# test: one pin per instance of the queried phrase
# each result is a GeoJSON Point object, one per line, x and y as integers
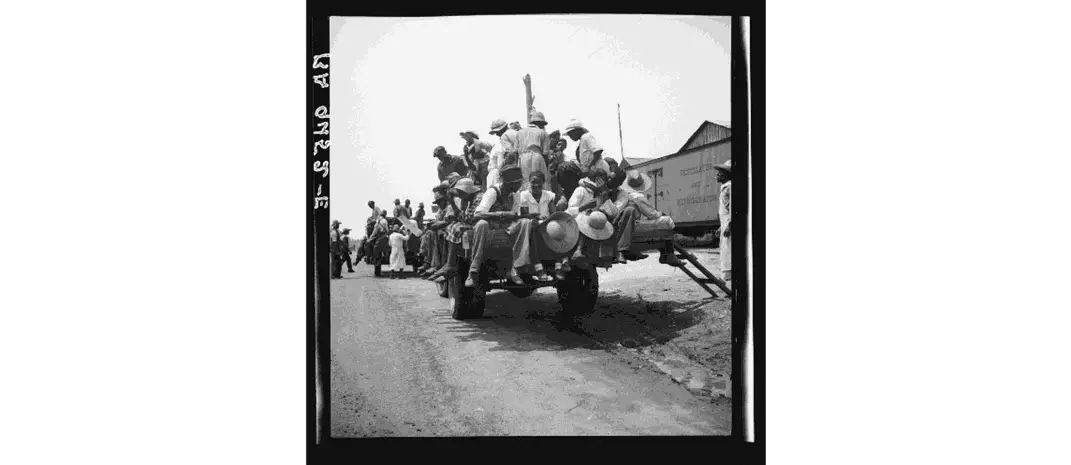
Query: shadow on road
{"type": "Point", "coordinates": [534, 323]}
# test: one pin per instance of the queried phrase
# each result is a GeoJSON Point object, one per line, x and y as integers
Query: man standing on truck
{"type": "Point", "coordinates": [533, 143]}
{"type": "Point", "coordinates": [477, 155]}
{"type": "Point", "coordinates": [419, 217]}
{"type": "Point", "coordinates": [724, 217]}
{"type": "Point", "coordinates": [588, 152]}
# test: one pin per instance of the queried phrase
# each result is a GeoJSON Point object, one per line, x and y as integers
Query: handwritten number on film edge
{"type": "Point", "coordinates": [321, 201]}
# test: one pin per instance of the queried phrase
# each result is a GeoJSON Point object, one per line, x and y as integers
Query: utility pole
{"type": "Point", "coordinates": [620, 135]}
{"type": "Point", "coordinates": [529, 100]}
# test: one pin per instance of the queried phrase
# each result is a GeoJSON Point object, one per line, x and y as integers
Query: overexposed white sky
{"type": "Point", "coordinates": [402, 86]}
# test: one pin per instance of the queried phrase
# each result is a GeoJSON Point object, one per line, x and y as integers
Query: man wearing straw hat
{"type": "Point", "coordinates": [725, 211]}
{"type": "Point", "coordinates": [588, 152]}
{"type": "Point", "coordinates": [462, 198]}
{"type": "Point", "coordinates": [477, 155]}
{"type": "Point", "coordinates": [500, 209]}
{"type": "Point", "coordinates": [650, 219]}
{"type": "Point", "coordinates": [503, 152]}
{"type": "Point", "coordinates": [444, 219]}
{"type": "Point", "coordinates": [534, 144]}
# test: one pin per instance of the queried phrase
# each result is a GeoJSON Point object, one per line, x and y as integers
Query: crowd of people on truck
{"type": "Point", "coordinates": [499, 191]}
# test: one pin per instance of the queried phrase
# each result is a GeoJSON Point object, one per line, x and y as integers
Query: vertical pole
{"type": "Point", "coordinates": [528, 100]}
{"type": "Point", "coordinates": [620, 135]}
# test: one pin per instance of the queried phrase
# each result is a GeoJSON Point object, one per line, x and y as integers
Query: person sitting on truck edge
{"type": "Point", "coordinates": [450, 212]}
{"type": "Point", "coordinates": [449, 163]}
{"type": "Point", "coordinates": [542, 202]}
{"type": "Point", "coordinates": [624, 219]}
{"type": "Point", "coordinates": [408, 209]}
{"type": "Point", "coordinates": [477, 155]}
{"type": "Point", "coordinates": [499, 208]}
{"type": "Point", "coordinates": [427, 240]}
{"type": "Point", "coordinates": [591, 196]}
{"type": "Point", "coordinates": [588, 152]}
{"type": "Point", "coordinates": [463, 197]}
{"type": "Point", "coordinates": [650, 219]}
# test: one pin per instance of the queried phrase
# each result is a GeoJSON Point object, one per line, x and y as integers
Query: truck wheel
{"type": "Point", "coordinates": [465, 302]}
{"type": "Point", "coordinates": [577, 294]}
{"type": "Point", "coordinates": [521, 292]}
{"type": "Point", "coordinates": [444, 290]}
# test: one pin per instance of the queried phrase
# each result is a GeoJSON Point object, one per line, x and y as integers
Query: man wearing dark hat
{"type": "Point", "coordinates": [346, 243]}
{"type": "Point", "coordinates": [533, 143]}
{"type": "Point", "coordinates": [419, 217]}
{"type": "Point", "coordinates": [725, 211]}
{"type": "Point", "coordinates": [336, 251]}
{"type": "Point", "coordinates": [500, 209]}
{"type": "Point", "coordinates": [449, 163]}
{"type": "Point", "coordinates": [477, 155]}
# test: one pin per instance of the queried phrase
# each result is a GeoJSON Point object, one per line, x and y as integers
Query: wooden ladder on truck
{"type": "Point", "coordinates": [710, 278]}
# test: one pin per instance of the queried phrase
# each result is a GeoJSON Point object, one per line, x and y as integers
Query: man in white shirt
{"type": "Point", "coordinates": [588, 152]}
{"type": "Point", "coordinates": [725, 211]}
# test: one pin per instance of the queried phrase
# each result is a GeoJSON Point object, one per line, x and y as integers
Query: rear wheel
{"type": "Point", "coordinates": [466, 302]}
{"type": "Point", "coordinates": [578, 293]}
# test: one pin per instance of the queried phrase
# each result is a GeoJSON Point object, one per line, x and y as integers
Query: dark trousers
{"type": "Point", "coordinates": [336, 265]}
{"type": "Point", "coordinates": [349, 264]}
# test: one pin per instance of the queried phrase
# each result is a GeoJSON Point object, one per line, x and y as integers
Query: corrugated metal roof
{"type": "Point", "coordinates": [708, 133]}
{"type": "Point", "coordinates": [635, 160]}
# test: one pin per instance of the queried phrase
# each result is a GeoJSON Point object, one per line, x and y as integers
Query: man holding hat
{"type": "Point", "coordinates": [592, 208]}
{"type": "Point", "coordinates": [477, 155]}
{"type": "Point", "coordinates": [650, 219]}
{"type": "Point", "coordinates": [449, 163]}
{"type": "Point", "coordinates": [336, 250]}
{"type": "Point", "coordinates": [534, 144]}
{"type": "Point", "coordinates": [503, 152]}
{"type": "Point", "coordinates": [725, 211]}
{"type": "Point", "coordinates": [499, 208]}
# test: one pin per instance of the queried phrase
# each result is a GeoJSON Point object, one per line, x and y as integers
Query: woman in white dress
{"type": "Point", "coordinates": [397, 251]}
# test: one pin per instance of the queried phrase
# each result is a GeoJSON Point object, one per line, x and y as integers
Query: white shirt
{"type": "Point", "coordinates": [541, 206]}
{"type": "Point", "coordinates": [506, 143]}
{"type": "Point", "coordinates": [583, 195]}
{"type": "Point", "coordinates": [489, 198]}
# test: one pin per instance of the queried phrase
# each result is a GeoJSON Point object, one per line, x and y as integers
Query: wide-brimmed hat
{"type": "Point", "coordinates": [471, 133]}
{"type": "Point", "coordinates": [727, 167]}
{"type": "Point", "coordinates": [573, 124]}
{"type": "Point", "coordinates": [538, 117]}
{"type": "Point", "coordinates": [595, 225]}
{"type": "Point", "coordinates": [451, 179]}
{"type": "Point", "coordinates": [637, 182]}
{"type": "Point", "coordinates": [346, 230]}
{"type": "Point", "coordinates": [497, 125]}
{"type": "Point", "coordinates": [560, 232]}
{"type": "Point", "coordinates": [335, 222]}
{"type": "Point", "coordinates": [466, 185]}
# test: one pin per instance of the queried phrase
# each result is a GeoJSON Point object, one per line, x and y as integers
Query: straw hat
{"type": "Point", "coordinates": [466, 185]}
{"type": "Point", "coordinates": [637, 182]}
{"type": "Point", "coordinates": [595, 226]}
{"type": "Point", "coordinates": [538, 117]}
{"type": "Point", "coordinates": [573, 124]}
{"type": "Point", "coordinates": [497, 125]}
{"type": "Point", "coordinates": [560, 232]}
{"type": "Point", "coordinates": [451, 179]}
{"type": "Point", "coordinates": [727, 167]}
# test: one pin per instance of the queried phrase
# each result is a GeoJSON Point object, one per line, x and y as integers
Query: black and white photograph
{"type": "Point", "coordinates": [561, 268]}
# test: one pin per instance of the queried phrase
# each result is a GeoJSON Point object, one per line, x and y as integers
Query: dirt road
{"type": "Point", "coordinates": [401, 366]}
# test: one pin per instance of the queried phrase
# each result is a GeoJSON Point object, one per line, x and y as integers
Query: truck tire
{"type": "Point", "coordinates": [521, 292]}
{"type": "Point", "coordinates": [578, 293]}
{"type": "Point", "coordinates": [465, 302]}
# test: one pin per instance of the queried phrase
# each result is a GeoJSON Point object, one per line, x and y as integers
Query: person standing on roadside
{"type": "Point", "coordinates": [725, 249]}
